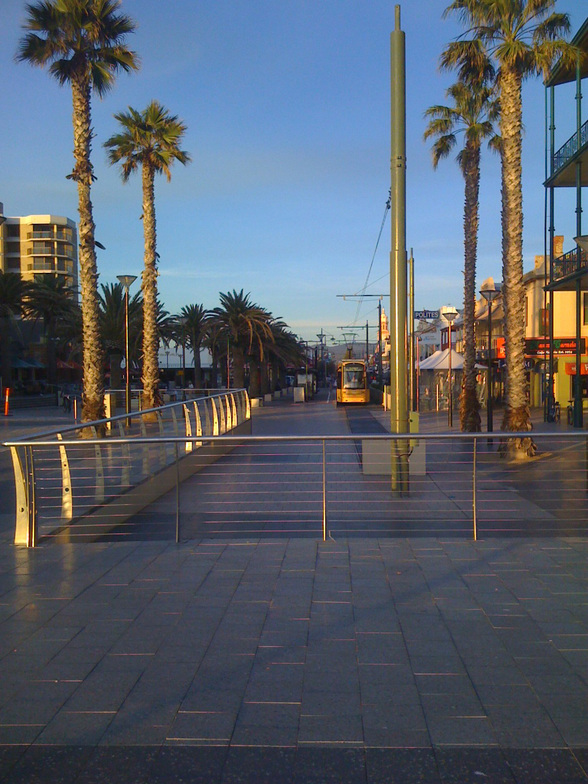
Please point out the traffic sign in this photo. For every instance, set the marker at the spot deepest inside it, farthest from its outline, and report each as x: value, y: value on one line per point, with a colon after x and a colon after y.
x: 426, y: 314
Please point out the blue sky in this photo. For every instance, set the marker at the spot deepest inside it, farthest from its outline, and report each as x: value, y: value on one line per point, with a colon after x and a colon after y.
x: 287, y: 104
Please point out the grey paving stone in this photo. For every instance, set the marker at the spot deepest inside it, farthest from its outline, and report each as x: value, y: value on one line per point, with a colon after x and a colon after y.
x: 205, y: 728
x: 330, y: 729
x: 75, y: 728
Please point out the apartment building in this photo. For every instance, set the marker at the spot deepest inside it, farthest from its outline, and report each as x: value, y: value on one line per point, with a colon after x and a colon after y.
x: 37, y: 245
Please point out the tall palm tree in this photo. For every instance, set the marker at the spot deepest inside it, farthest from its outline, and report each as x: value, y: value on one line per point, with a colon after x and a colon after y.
x: 245, y: 325
x: 284, y: 350
x: 52, y: 300
x: 82, y: 42
x: 524, y: 38
x: 149, y: 140
x: 13, y: 293
x: 472, y: 112
x: 214, y: 342
x: 195, y: 319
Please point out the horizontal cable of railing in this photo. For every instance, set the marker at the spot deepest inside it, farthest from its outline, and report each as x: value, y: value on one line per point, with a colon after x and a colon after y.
x: 200, y: 486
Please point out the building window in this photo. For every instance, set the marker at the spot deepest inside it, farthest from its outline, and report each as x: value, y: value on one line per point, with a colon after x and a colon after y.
x: 584, y: 308
x: 526, y: 311
x: 544, y: 322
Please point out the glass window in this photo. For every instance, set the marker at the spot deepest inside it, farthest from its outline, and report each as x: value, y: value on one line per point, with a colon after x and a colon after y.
x: 354, y: 377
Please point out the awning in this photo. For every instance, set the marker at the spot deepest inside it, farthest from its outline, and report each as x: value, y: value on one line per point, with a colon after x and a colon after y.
x: 26, y: 364
x: 440, y: 361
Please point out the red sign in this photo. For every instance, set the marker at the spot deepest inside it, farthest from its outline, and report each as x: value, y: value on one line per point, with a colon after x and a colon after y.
x: 571, y: 368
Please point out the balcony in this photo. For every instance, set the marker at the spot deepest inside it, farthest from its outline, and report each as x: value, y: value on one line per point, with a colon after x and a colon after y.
x: 566, y: 271
x: 563, y: 169
x: 58, y: 234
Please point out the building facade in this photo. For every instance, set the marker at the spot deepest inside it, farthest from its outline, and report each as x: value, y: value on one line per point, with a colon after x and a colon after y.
x: 38, y: 245
x: 567, y: 156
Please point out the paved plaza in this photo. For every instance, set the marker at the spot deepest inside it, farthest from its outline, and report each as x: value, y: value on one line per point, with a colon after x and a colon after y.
x: 351, y: 661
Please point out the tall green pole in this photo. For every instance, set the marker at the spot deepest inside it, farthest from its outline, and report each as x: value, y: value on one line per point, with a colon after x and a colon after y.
x: 398, y: 287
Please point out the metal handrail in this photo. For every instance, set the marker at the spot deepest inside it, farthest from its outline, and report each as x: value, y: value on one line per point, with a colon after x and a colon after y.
x: 98, y: 423
x: 322, y: 473
x: 203, y: 417
x: 499, y: 435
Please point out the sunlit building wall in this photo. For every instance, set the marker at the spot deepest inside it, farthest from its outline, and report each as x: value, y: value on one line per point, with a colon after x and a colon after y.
x: 38, y: 245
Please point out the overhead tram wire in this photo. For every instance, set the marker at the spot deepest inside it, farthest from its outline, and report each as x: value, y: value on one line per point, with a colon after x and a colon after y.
x: 365, y: 285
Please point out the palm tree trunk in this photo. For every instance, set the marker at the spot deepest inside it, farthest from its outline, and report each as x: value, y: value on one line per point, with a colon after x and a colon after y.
x: 255, y: 389
x: 197, y: 363
x: 149, y: 288
x: 469, y: 404
x: 93, y: 359
x: 516, y: 413
x: 238, y: 356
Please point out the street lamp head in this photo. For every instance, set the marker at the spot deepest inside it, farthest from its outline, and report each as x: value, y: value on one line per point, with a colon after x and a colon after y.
x: 126, y: 280
x: 582, y: 241
x: 489, y: 294
x: 450, y: 315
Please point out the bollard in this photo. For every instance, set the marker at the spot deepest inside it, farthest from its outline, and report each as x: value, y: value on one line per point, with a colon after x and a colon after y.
x: 7, y: 395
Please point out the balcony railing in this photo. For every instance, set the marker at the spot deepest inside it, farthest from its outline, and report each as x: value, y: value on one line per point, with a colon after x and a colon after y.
x: 569, y: 149
x: 568, y: 263
x: 50, y: 235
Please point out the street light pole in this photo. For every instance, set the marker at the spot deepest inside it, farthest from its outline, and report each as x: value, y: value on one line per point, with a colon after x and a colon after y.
x: 127, y: 281
x: 450, y: 316
x: 489, y: 295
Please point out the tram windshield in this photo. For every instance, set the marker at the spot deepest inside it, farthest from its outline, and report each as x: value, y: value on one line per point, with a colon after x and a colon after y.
x: 353, y: 376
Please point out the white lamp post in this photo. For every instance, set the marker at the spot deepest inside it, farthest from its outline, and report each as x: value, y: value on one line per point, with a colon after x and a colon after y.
x: 489, y: 295
x: 450, y: 316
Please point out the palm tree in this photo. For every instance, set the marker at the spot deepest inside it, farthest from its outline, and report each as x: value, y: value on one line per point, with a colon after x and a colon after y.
x: 13, y: 293
x: 149, y: 140
x: 213, y: 341
x: 245, y: 325
x: 472, y: 112
x: 82, y: 42
x: 195, y: 319
x: 284, y: 350
x: 524, y: 38
x: 51, y: 299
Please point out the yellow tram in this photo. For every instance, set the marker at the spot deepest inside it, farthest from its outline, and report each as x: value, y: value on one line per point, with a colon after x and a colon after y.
x: 352, y: 382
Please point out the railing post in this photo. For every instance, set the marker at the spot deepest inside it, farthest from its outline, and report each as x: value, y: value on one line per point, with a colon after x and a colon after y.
x: 189, y: 444
x: 324, y: 493
x: 32, y: 498
x: 66, y: 489
x: 125, y: 471
x: 23, y: 511
x: 474, y: 498
x: 215, y: 422
x: 177, y: 492
x: 198, y: 423
x: 99, y: 490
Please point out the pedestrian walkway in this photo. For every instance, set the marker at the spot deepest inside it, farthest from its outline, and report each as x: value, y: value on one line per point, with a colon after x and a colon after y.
x: 356, y: 661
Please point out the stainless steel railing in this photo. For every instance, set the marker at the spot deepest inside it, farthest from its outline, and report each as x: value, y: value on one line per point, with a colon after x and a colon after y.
x: 69, y: 475
x: 237, y: 485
